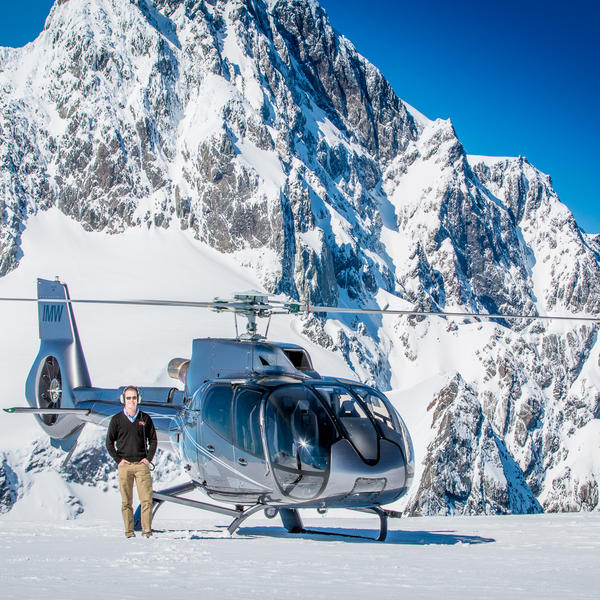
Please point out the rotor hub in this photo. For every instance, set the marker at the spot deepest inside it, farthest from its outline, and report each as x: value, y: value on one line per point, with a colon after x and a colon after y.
x: 55, y: 390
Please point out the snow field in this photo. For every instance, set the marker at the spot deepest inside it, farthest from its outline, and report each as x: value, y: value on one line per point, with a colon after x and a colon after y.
x: 541, y: 556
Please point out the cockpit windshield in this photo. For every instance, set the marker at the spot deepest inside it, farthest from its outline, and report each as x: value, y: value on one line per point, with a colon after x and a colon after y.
x: 300, y: 434
x: 390, y: 423
x: 353, y: 418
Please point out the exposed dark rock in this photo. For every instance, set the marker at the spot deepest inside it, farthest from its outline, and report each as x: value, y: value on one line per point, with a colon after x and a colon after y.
x: 468, y: 469
x: 8, y: 487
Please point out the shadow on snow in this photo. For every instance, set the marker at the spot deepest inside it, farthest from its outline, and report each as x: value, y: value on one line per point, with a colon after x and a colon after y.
x: 398, y: 537
x: 409, y: 538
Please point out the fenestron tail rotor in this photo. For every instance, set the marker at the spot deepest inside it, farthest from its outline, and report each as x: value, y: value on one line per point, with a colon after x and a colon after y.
x: 49, y: 392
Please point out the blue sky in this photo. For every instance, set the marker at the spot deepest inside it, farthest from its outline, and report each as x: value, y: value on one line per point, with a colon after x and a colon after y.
x: 517, y: 77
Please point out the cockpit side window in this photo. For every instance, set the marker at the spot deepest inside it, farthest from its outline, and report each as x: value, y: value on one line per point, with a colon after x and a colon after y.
x: 354, y: 419
x: 216, y: 411
x: 390, y: 423
x: 247, y: 422
x: 382, y: 414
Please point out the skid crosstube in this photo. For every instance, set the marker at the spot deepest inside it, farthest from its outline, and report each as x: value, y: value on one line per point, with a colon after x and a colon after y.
x: 289, y: 515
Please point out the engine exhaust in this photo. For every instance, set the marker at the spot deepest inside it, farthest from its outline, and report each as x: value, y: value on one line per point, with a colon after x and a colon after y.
x: 177, y: 368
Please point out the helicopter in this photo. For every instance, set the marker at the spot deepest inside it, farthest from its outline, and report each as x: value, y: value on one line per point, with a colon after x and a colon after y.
x: 256, y: 427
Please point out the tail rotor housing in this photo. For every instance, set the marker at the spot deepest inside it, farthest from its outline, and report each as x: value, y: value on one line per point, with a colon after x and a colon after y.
x: 59, y: 366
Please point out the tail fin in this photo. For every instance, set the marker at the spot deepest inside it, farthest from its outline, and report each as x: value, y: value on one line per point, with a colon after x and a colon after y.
x: 60, y: 364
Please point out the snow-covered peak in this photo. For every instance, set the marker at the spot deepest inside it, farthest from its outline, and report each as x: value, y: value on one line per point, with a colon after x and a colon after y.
x: 490, y: 161
x: 420, y: 119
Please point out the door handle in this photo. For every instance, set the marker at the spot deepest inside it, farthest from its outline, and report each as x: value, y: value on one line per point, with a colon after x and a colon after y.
x: 210, y: 448
x: 242, y: 461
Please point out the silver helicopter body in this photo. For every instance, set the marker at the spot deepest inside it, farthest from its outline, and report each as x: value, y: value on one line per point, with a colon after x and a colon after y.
x: 255, y: 425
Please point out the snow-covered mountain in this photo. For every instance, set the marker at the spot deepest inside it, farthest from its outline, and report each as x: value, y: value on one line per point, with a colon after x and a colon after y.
x: 253, y: 130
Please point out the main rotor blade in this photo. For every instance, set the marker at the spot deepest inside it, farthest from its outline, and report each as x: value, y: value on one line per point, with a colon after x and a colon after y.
x: 297, y: 307
x: 236, y: 306
x: 47, y: 411
x: 184, y: 303
x: 424, y: 313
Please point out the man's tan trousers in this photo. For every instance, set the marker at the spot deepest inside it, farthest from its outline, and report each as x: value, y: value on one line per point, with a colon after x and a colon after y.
x: 141, y: 473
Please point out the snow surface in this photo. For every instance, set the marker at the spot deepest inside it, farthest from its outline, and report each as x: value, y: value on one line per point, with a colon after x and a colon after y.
x: 540, y: 556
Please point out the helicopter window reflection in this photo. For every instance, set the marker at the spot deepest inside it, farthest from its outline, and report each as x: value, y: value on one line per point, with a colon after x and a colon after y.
x: 217, y: 410
x: 299, y: 437
x: 247, y: 422
x: 354, y: 419
x: 388, y: 420
x: 383, y: 416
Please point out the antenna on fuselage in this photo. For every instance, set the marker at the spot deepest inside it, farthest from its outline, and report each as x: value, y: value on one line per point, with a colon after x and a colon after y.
x: 237, y: 334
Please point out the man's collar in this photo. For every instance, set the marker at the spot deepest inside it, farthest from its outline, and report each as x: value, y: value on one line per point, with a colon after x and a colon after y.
x: 132, y: 419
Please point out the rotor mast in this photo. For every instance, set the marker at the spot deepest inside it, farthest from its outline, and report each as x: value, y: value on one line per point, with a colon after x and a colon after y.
x: 251, y: 304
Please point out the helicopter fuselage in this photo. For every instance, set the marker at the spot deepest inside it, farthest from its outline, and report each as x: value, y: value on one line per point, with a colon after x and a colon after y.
x: 281, y: 440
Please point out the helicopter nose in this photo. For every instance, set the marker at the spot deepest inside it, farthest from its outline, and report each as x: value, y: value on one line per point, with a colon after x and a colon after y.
x: 353, y: 479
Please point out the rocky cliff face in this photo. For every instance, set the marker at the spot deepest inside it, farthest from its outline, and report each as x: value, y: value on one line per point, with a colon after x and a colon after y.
x: 260, y: 128
x: 469, y: 468
x: 252, y: 124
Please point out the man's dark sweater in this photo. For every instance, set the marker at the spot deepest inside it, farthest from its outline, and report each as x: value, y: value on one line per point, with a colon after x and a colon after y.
x: 131, y: 441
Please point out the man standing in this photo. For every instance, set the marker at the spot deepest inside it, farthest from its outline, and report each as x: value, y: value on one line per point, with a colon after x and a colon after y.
x: 131, y: 441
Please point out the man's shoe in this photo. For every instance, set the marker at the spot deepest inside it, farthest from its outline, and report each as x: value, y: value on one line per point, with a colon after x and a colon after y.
x: 130, y: 535
x: 147, y: 534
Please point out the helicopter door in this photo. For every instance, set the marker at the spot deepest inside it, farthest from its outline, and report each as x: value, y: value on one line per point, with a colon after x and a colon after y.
x: 248, y: 447
x: 299, y: 434
x: 216, y: 457
x: 190, y: 438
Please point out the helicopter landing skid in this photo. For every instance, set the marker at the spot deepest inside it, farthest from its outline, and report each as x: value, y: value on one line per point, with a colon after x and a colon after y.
x: 289, y: 515
x: 383, y: 515
x: 293, y: 523
x: 170, y: 495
